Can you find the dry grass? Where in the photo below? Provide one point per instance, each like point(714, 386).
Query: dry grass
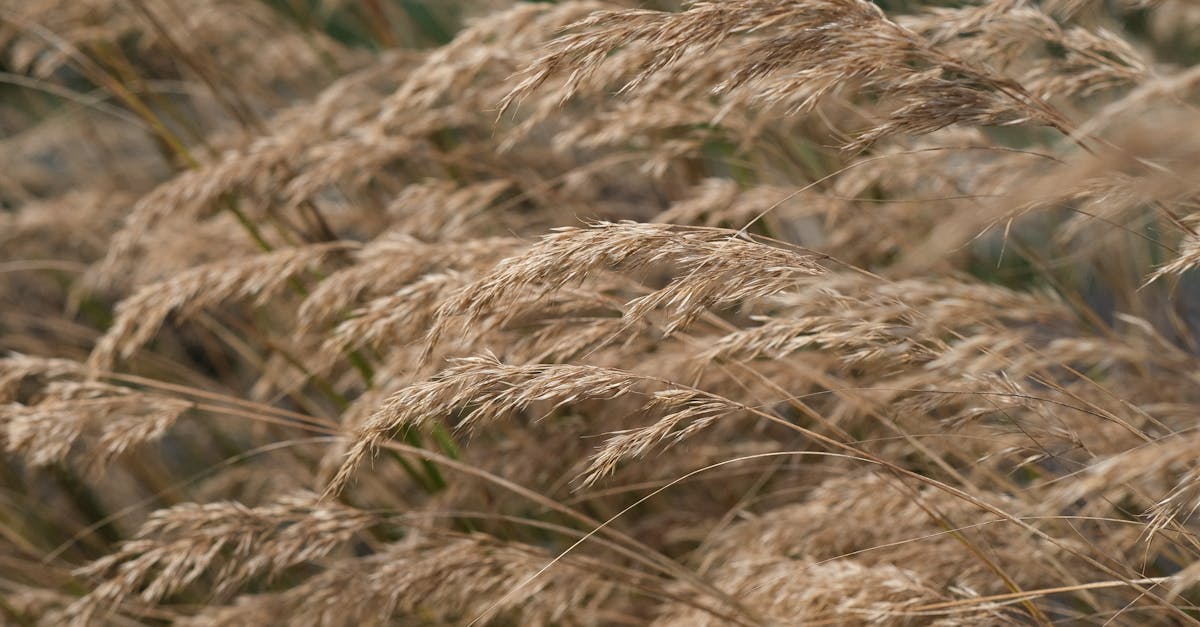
point(750, 312)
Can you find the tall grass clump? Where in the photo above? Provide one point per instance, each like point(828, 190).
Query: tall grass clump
point(749, 312)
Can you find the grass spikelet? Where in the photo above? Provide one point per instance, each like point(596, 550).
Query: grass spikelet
point(820, 46)
point(490, 388)
point(45, 433)
point(388, 264)
point(843, 592)
point(454, 578)
point(15, 369)
point(140, 315)
point(1188, 258)
point(688, 411)
point(716, 266)
point(854, 340)
point(400, 317)
point(177, 546)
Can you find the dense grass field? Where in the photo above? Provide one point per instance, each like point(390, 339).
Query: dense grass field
point(742, 312)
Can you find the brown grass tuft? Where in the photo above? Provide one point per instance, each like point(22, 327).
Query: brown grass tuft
point(599, 312)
